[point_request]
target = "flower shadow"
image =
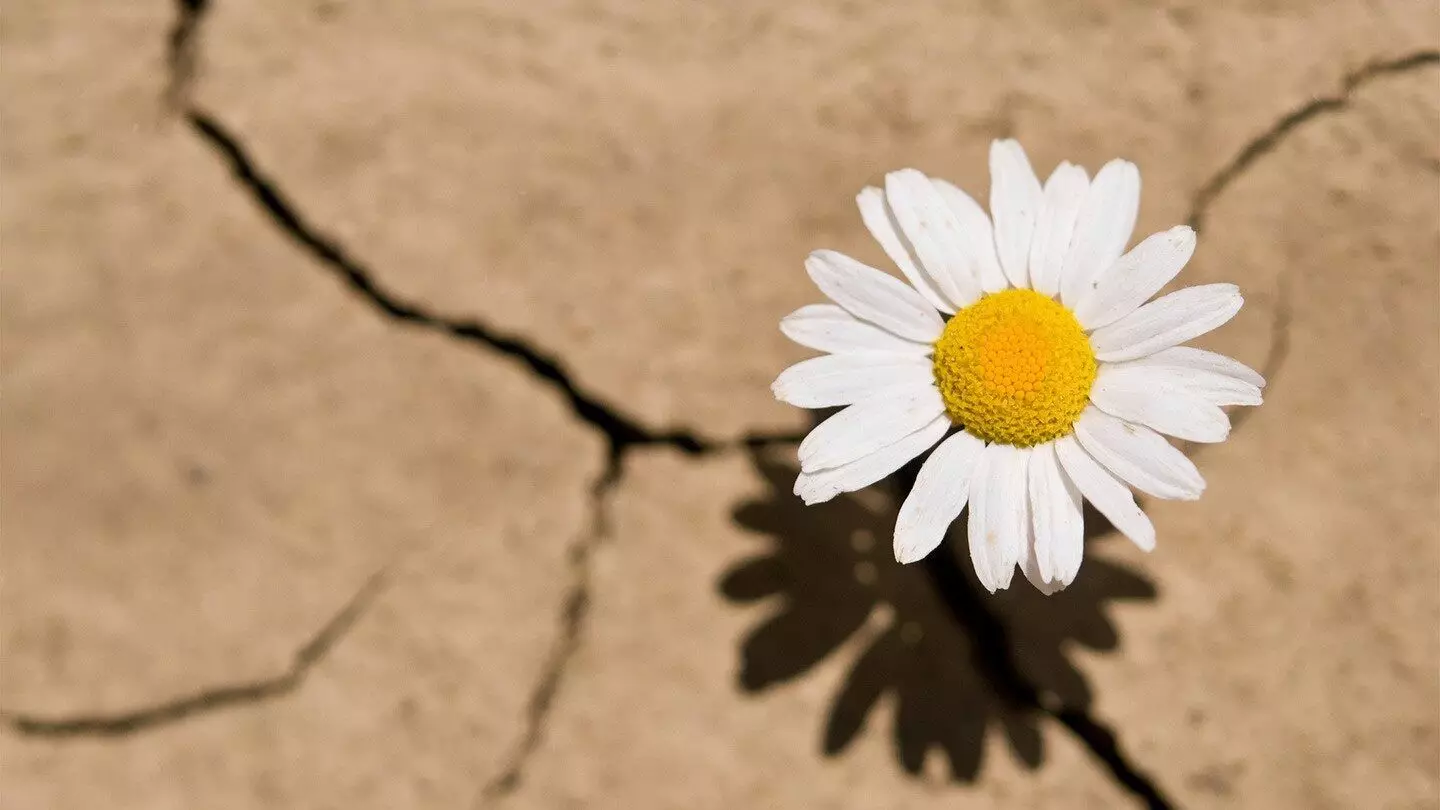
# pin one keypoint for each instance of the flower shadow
(830, 570)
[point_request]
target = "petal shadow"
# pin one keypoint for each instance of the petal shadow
(828, 575)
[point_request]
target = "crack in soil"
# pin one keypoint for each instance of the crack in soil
(567, 643)
(216, 698)
(623, 433)
(1266, 142)
(996, 661)
(181, 54)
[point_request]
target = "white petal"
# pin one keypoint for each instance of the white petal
(844, 379)
(866, 427)
(998, 521)
(1057, 519)
(1030, 564)
(1152, 398)
(1188, 357)
(1107, 218)
(873, 296)
(1138, 275)
(1109, 497)
(1064, 192)
(822, 485)
(1167, 321)
(879, 219)
(1214, 387)
(1030, 567)
(829, 328)
(933, 232)
(979, 238)
(1138, 456)
(1015, 198)
(937, 498)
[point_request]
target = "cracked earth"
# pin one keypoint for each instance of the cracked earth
(281, 529)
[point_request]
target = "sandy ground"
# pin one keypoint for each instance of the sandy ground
(384, 395)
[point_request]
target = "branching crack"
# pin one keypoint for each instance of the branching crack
(1262, 145)
(213, 699)
(1267, 141)
(572, 619)
(621, 431)
(624, 433)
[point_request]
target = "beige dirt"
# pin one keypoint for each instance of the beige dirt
(212, 443)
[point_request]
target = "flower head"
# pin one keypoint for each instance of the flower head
(1032, 336)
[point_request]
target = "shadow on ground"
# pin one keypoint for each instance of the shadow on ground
(831, 575)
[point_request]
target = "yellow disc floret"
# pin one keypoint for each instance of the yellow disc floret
(1014, 368)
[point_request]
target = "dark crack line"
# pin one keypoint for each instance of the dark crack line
(969, 610)
(182, 51)
(214, 699)
(621, 431)
(1267, 141)
(624, 433)
(572, 621)
(996, 661)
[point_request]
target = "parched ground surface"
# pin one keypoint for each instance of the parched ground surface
(385, 410)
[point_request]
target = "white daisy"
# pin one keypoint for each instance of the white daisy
(1060, 375)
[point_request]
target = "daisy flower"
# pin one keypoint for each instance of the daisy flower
(1032, 335)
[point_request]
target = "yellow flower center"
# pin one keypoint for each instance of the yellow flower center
(1015, 368)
